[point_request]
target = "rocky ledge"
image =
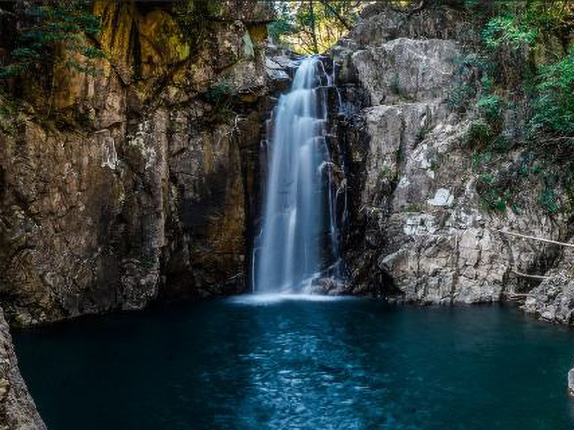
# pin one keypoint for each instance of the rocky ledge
(17, 409)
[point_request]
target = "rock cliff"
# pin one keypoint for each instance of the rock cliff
(17, 409)
(137, 181)
(145, 181)
(423, 224)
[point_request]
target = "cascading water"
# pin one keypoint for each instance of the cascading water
(299, 237)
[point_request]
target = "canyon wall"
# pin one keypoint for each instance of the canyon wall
(143, 181)
(425, 222)
(136, 181)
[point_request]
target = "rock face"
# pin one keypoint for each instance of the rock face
(553, 299)
(419, 229)
(17, 409)
(140, 183)
(144, 181)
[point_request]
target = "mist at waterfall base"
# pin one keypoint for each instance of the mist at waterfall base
(299, 239)
(330, 363)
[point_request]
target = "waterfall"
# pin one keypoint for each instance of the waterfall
(299, 239)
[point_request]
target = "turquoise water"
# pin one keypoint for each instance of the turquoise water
(301, 364)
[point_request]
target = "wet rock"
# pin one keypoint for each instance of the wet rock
(328, 287)
(553, 299)
(571, 382)
(17, 409)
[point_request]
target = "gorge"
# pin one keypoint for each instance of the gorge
(194, 158)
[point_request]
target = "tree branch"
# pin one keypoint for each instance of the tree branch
(313, 27)
(418, 8)
(536, 238)
(525, 275)
(337, 14)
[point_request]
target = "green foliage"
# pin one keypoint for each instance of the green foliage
(193, 17)
(498, 189)
(480, 159)
(493, 196)
(549, 201)
(479, 134)
(517, 66)
(312, 26)
(501, 143)
(554, 107)
(459, 96)
(284, 22)
(219, 93)
(50, 24)
(508, 30)
(548, 198)
(220, 96)
(465, 86)
(490, 106)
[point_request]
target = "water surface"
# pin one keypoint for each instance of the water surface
(270, 363)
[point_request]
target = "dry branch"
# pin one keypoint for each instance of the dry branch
(526, 275)
(554, 242)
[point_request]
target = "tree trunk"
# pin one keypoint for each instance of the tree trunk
(313, 27)
(337, 14)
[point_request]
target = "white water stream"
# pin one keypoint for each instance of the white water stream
(299, 229)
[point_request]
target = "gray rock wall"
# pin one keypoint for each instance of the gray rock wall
(420, 230)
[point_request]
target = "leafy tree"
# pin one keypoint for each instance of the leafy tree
(48, 25)
(313, 26)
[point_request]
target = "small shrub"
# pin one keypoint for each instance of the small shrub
(549, 201)
(500, 205)
(479, 134)
(490, 107)
(554, 107)
(508, 30)
(548, 198)
(219, 94)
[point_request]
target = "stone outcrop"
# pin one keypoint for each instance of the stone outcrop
(17, 409)
(553, 299)
(419, 228)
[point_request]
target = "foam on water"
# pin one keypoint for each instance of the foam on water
(273, 298)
